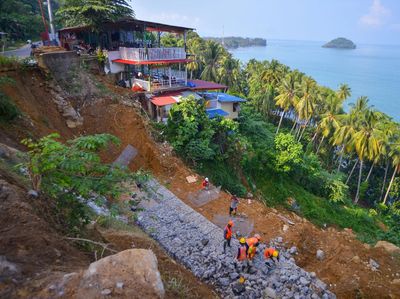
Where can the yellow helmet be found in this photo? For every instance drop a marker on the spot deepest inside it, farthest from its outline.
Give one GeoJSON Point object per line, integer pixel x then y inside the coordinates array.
{"type": "Point", "coordinates": [275, 254]}
{"type": "Point", "coordinates": [242, 241]}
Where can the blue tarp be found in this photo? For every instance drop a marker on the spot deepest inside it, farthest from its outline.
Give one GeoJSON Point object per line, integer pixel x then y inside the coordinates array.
{"type": "Point", "coordinates": [216, 112]}
{"type": "Point", "coordinates": [223, 97]}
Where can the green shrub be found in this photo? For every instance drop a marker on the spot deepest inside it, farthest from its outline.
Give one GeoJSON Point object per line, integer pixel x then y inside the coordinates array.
{"type": "Point", "coordinates": [8, 110]}
{"type": "Point", "coordinates": [6, 61]}
{"type": "Point", "coordinates": [337, 190]}
{"type": "Point", "coordinates": [288, 152]}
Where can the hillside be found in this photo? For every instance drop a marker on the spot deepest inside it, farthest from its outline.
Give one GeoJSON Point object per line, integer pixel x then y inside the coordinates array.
{"type": "Point", "coordinates": [233, 42]}
{"type": "Point", "coordinates": [340, 43]}
{"type": "Point", "coordinates": [346, 267]}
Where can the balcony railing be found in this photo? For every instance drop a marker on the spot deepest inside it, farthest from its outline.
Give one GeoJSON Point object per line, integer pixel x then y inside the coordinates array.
{"type": "Point", "coordinates": [143, 54]}
{"type": "Point", "coordinates": [163, 81]}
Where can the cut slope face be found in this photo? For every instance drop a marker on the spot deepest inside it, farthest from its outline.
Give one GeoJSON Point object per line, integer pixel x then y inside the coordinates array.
{"type": "Point", "coordinates": [346, 267]}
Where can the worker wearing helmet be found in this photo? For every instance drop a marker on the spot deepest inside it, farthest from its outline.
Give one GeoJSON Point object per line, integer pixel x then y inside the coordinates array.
{"type": "Point", "coordinates": [271, 254]}
{"type": "Point", "coordinates": [205, 184]}
{"type": "Point", "coordinates": [253, 242]}
{"type": "Point", "coordinates": [241, 256]}
{"type": "Point", "coordinates": [228, 234]}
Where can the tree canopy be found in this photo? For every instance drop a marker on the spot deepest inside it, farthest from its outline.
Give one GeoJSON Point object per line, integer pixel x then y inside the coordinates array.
{"type": "Point", "coordinates": [93, 12]}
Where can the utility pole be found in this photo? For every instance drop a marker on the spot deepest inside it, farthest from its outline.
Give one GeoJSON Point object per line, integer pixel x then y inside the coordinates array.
{"type": "Point", "coordinates": [53, 32]}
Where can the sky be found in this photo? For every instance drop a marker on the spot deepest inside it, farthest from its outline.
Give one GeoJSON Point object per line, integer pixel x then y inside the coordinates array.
{"type": "Point", "coordinates": [363, 21]}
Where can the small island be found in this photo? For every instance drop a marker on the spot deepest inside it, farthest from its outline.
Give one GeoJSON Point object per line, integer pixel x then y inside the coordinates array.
{"type": "Point", "coordinates": [233, 42]}
{"type": "Point", "coordinates": [340, 43]}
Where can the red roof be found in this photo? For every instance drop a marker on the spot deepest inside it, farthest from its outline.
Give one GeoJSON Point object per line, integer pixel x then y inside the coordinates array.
{"type": "Point", "coordinates": [165, 99]}
{"type": "Point", "coordinates": [123, 61]}
{"type": "Point", "coordinates": [205, 85]}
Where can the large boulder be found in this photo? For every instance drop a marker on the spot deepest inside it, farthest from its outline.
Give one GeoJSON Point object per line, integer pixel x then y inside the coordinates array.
{"type": "Point", "coordinates": [131, 273]}
{"type": "Point", "coordinates": [389, 247]}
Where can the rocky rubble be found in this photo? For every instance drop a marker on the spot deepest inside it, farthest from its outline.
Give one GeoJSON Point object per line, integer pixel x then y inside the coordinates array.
{"type": "Point", "coordinates": [197, 243]}
{"type": "Point", "coordinates": [131, 273]}
{"type": "Point", "coordinates": [73, 118]}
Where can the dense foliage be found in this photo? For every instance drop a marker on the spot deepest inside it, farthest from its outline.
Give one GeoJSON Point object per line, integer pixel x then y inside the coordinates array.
{"type": "Point", "coordinates": [92, 13]}
{"type": "Point", "coordinates": [295, 141]}
{"type": "Point", "coordinates": [210, 61]}
{"type": "Point", "coordinates": [72, 172]}
{"type": "Point", "coordinates": [21, 19]}
{"type": "Point", "coordinates": [8, 110]}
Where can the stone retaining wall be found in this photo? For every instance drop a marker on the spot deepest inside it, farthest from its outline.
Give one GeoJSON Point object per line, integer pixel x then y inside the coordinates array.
{"type": "Point", "coordinates": [197, 243]}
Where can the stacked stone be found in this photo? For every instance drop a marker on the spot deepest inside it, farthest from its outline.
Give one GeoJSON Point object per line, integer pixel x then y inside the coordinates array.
{"type": "Point", "coordinates": [198, 244]}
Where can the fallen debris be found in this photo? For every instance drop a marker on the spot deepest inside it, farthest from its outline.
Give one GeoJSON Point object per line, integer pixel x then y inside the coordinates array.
{"type": "Point", "coordinates": [191, 179]}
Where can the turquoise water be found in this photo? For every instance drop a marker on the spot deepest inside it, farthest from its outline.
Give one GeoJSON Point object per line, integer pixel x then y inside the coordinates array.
{"type": "Point", "coordinates": [370, 70]}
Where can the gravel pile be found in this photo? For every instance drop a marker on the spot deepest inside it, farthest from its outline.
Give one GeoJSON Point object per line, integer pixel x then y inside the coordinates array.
{"type": "Point", "coordinates": [198, 244]}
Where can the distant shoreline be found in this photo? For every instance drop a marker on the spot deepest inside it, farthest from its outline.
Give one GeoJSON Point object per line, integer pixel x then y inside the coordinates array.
{"type": "Point", "coordinates": [234, 42]}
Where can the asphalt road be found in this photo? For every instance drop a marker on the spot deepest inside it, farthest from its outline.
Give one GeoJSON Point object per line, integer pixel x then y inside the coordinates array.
{"type": "Point", "coordinates": [24, 51]}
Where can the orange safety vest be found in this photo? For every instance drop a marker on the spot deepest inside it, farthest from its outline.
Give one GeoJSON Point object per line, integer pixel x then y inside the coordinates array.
{"type": "Point", "coordinates": [268, 253]}
{"type": "Point", "coordinates": [228, 234]}
{"type": "Point", "coordinates": [251, 252]}
{"type": "Point", "coordinates": [242, 253]}
{"type": "Point", "coordinates": [252, 241]}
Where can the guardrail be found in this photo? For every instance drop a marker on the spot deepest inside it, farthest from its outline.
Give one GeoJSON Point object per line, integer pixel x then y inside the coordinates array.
{"type": "Point", "coordinates": [143, 54]}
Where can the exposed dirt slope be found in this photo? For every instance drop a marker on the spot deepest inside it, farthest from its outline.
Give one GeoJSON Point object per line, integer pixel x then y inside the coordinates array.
{"type": "Point", "coordinates": [30, 243]}
{"type": "Point", "coordinates": [348, 275]}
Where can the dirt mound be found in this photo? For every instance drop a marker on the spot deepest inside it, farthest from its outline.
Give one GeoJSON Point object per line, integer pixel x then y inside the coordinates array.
{"type": "Point", "coordinates": [30, 244]}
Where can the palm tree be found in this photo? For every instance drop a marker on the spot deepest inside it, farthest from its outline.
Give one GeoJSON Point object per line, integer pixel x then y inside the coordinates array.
{"type": "Point", "coordinates": [330, 119]}
{"type": "Point", "coordinates": [287, 97]}
{"type": "Point", "coordinates": [229, 71]}
{"type": "Point", "coordinates": [211, 58]}
{"type": "Point", "coordinates": [306, 104]}
{"type": "Point", "coordinates": [390, 132]}
{"type": "Point", "coordinates": [367, 141]}
{"type": "Point", "coordinates": [395, 156]}
{"type": "Point", "coordinates": [344, 92]}
{"type": "Point", "coordinates": [343, 136]}
{"type": "Point", "coordinates": [195, 50]}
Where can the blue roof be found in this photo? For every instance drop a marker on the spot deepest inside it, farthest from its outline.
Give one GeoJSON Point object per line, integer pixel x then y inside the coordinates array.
{"type": "Point", "coordinates": [216, 112]}
{"type": "Point", "coordinates": [224, 97]}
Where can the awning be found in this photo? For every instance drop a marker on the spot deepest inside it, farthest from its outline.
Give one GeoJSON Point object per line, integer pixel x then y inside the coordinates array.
{"type": "Point", "coordinates": [173, 97]}
{"type": "Point", "coordinates": [163, 100]}
{"type": "Point", "coordinates": [146, 62]}
{"type": "Point", "coordinates": [205, 85]}
{"type": "Point", "coordinates": [216, 112]}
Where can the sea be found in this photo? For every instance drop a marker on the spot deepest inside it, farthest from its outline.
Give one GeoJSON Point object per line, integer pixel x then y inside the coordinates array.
{"type": "Point", "coordinates": [369, 70]}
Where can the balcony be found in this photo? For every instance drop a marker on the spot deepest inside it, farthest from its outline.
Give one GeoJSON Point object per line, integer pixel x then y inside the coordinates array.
{"type": "Point", "coordinates": [151, 54]}
{"type": "Point", "coordinates": [159, 80]}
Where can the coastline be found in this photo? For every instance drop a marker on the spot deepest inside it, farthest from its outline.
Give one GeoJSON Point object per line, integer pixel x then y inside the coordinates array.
{"type": "Point", "coordinates": [370, 70]}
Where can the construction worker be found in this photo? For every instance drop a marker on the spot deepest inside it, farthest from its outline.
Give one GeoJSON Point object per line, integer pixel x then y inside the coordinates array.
{"type": "Point", "coordinates": [271, 254]}
{"type": "Point", "coordinates": [254, 241]}
{"type": "Point", "coordinates": [205, 184]}
{"type": "Point", "coordinates": [234, 205]}
{"type": "Point", "coordinates": [228, 234]}
{"type": "Point", "coordinates": [241, 256]}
